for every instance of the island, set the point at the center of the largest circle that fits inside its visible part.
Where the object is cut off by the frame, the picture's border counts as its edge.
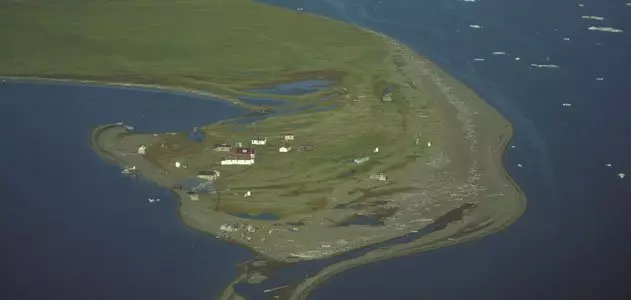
(352, 143)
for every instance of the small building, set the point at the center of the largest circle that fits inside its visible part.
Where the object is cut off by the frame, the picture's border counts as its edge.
(209, 175)
(222, 147)
(142, 149)
(178, 164)
(284, 149)
(387, 95)
(361, 160)
(289, 137)
(379, 176)
(245, 151)
(243, 160)
(259, 141)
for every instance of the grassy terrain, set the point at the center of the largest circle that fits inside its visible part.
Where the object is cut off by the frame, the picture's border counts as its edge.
(227, 47)
(213, 45)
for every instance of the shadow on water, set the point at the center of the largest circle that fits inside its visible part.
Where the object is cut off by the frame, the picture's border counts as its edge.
(291, 274)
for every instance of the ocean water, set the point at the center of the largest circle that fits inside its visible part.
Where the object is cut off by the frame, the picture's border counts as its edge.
(573, 240)
(71, 226)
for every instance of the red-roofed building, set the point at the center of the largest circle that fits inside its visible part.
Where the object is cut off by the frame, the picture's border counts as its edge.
(249, 152)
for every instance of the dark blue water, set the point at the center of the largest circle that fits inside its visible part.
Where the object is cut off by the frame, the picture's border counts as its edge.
(572, 243)
(71, 226)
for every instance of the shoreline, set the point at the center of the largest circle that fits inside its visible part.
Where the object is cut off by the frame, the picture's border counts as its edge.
(206, 96)
(465, 165)
(302, 290)
(432, 241)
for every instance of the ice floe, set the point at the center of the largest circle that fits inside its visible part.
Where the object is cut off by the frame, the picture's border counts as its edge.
(592, 18)
(605, 29)
(544, 66)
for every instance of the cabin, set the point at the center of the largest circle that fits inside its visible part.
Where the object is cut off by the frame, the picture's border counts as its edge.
(379, 176)
(208, 175)
(361, 160)
(245, 151)
(142, 149)
(289, 137)
(237, 160)
(222, 148)
(259, 141)
(284, 149)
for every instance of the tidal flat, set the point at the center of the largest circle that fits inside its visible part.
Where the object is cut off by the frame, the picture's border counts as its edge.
(398, 143)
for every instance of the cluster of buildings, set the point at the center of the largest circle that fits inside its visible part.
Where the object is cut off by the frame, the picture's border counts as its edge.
(240, 156)
(245, 156)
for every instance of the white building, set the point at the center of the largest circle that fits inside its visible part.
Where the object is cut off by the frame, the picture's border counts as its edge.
(142, 149)
(209, 175)
(178, 164)
(289, 137)
(361, 159)
(259, 141)
(284, 149)
(379, 176)
(237, 161)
